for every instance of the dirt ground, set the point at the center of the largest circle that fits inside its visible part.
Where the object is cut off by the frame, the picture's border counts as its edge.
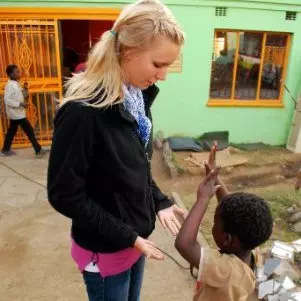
(35, 264)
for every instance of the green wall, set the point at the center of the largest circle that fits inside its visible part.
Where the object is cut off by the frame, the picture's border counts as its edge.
(182, 104)
(181, 107)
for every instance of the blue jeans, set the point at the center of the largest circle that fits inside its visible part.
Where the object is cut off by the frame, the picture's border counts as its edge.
(125, 286)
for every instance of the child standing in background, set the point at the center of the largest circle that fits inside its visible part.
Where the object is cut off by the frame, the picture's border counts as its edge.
(14, 98)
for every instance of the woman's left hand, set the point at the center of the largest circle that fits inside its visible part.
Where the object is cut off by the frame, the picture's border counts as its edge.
(169, 220)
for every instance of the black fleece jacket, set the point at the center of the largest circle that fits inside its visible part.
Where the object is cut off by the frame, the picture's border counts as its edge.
(99, 176)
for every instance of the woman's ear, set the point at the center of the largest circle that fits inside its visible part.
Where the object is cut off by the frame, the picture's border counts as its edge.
(128, 54)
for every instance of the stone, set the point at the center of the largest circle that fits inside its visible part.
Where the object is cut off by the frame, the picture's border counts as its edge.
(297, 227)
(278, 220)
(160, 135)
(273, 298)
(289, 296)
(173, 170)
(265, 252)
(234, 150)
(286, 282)
(291, 210)
(296, 217)
(159, 139)
(270, 265)
(168, 160)
(286, 269)
(268, 288)
(158, 143)
(229, 169)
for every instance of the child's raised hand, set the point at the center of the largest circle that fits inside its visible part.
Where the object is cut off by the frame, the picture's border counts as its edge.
(211, 164)
(208, 187)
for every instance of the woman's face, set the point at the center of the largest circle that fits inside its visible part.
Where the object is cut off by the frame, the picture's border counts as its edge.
(144, 68)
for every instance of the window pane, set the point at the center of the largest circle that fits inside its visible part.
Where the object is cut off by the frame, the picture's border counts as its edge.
(273, 64)
(249, 54)
(222, 65)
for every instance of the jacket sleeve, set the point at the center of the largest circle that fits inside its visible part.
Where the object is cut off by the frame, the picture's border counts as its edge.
(70, 159)
(10, 97)
(160, 199)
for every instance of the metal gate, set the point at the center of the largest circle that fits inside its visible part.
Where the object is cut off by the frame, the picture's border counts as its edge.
(33, 45)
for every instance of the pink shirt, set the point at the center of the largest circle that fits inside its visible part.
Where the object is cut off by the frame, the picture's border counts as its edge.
(109, 264)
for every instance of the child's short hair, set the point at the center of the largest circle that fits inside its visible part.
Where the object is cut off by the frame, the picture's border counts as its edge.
(248, 217)
(10, 69)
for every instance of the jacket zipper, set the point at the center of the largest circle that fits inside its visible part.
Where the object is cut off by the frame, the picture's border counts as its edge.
(147, 160)
(145, 153)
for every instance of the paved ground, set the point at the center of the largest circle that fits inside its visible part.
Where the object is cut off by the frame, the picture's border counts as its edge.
(34, 245)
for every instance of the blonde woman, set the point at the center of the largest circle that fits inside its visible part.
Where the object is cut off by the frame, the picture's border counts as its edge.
(99, 168)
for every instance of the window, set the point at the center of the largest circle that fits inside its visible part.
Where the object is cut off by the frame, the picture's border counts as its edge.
(248, 68)
(291, 15)
(221, 11)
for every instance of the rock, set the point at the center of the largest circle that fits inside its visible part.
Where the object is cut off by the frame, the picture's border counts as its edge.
(286, 269)
(172, 170)
(234, 150)
(229, 169)
(291, 210)
(265, 251)
(297, 227)
(160, 135)
(296, 217)
(159, 139)
(270, 265)
(168, 160)
(158, 143)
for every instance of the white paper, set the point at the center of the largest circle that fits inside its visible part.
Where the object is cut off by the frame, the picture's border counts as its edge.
(290, 297)
(268, 288)
(288, 284)
(297, 245)
(283, 251)
(273, 298)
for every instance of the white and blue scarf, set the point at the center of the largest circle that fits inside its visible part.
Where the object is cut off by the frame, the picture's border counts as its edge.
(134, 104)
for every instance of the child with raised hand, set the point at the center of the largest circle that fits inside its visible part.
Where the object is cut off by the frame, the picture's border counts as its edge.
(242, 222)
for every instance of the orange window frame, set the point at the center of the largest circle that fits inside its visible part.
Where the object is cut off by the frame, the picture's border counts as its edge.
(232, 102)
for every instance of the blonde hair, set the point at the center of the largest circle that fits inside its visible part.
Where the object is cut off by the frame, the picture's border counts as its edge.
(136, 27)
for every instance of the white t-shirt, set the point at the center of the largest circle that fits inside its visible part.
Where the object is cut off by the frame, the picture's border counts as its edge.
(13, 97)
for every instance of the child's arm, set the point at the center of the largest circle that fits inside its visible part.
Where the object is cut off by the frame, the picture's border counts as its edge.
(186, 242)
(211, 164)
